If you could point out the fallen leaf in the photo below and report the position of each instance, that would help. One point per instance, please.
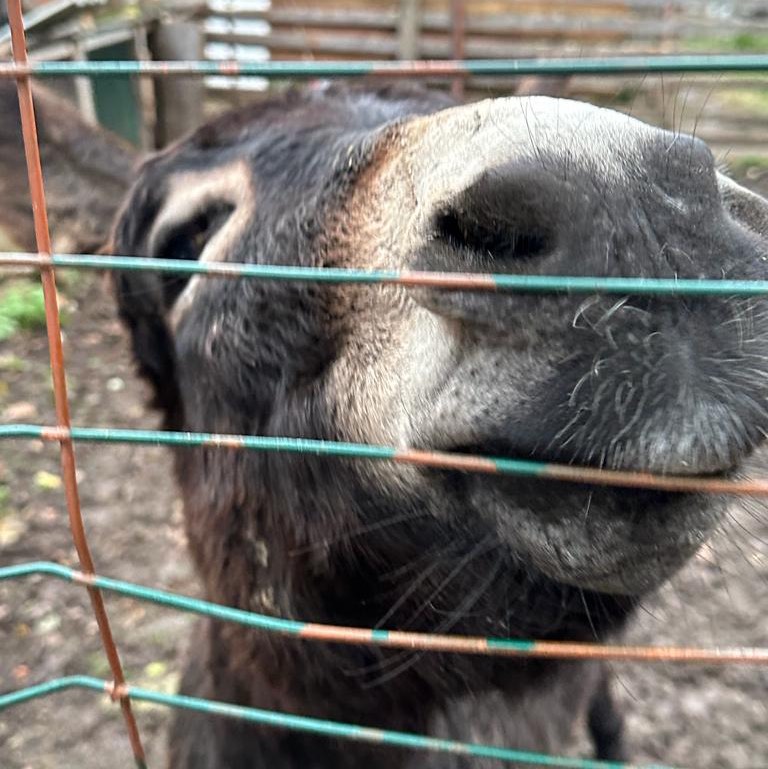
(12, 529)
(155, 669)
(47, 481)
(48, 623)
(21, 630)
(48, 514)
(166, 684)
(20, 411)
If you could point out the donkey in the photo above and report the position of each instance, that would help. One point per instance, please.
(400, 178)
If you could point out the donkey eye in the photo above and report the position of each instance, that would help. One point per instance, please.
(188, 240)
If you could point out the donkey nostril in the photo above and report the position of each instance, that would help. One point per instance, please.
(511, 212)
(499, 240)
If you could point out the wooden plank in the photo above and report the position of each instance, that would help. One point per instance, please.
(681, 26)
(575, 7)
(313, 43)
(373, 43)
(482, 41)
(548, 24)
(509, 23)
(370, 46)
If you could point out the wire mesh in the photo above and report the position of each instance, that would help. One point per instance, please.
(66, 435)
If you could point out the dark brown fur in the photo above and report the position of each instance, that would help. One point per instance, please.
(330, 176)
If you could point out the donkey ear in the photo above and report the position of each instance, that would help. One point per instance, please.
(140, 293)
(176, 210)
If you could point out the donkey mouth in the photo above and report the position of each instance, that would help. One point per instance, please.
(609, 539)
(612, 539)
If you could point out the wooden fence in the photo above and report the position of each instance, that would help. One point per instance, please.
(729, 111)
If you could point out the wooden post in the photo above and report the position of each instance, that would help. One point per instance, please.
(458, 27)
(408, 28)
(83, 86)
(146, 90)
(179, 100)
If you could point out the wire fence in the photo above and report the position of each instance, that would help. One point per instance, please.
(614, 65)
(316, 725)
(66, 435)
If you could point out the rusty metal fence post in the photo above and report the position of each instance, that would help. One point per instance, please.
(56, 353)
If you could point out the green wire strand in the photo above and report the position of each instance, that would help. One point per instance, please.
(518, 283)
(202, 608)
(170, 438)
(160, 597)
(613, 65)
(316, 725)
(252, 443)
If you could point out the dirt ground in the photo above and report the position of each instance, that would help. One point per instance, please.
(683, 715)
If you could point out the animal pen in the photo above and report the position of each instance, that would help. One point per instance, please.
(122, 692)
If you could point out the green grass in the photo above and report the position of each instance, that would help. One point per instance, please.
(73, 283)
(625, 95)
(743, 42)
(21, 307)
(750, 100)
(96, 664)
(12, 364)
(741, 166)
